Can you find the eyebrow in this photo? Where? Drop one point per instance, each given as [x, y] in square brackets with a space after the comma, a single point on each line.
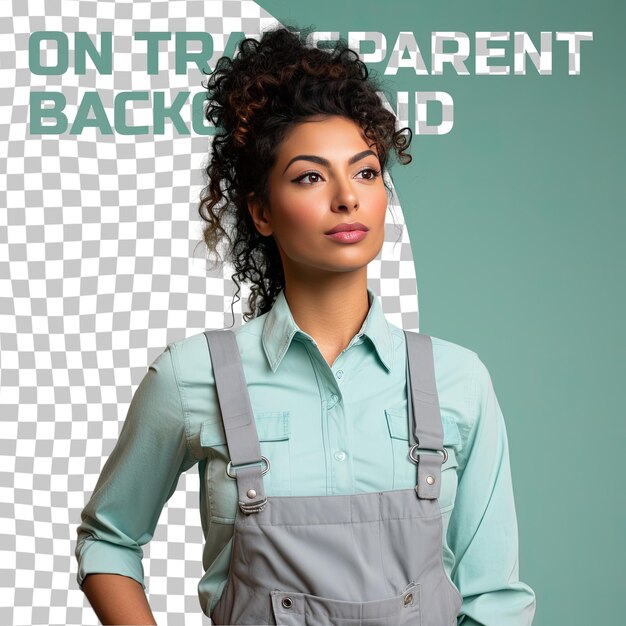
[325, 162]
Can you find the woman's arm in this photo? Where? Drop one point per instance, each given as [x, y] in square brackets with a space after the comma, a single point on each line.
[130, 605]
[483, 531]
[136, 481]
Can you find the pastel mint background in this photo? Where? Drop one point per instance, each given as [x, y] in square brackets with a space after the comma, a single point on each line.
[517, 225]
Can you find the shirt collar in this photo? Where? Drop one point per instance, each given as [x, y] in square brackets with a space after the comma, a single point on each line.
[280, 328]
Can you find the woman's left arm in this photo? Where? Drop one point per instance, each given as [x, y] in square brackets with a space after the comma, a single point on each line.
[483, 532]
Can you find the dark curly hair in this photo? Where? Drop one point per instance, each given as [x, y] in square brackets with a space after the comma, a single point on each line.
[269, 86]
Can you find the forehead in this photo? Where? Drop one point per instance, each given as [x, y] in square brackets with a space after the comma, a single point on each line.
[323, 135]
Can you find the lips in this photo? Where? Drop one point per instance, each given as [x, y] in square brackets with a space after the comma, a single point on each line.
[345, 226]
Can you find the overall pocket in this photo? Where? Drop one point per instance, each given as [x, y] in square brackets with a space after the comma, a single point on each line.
[303, 609]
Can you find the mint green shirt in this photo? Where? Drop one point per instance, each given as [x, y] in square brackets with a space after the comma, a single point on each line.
[326, 430]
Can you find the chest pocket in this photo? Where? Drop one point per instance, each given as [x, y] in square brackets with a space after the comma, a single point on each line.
[274, 430]
[405, 471]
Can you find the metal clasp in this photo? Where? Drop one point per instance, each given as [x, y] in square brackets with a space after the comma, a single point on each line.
[415, 460]
[230, 465]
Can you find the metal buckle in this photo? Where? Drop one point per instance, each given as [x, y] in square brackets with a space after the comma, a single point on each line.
[230, 465]
[443, 452]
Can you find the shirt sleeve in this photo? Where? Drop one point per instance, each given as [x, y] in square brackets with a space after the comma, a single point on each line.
[483, 532]
[138, 478]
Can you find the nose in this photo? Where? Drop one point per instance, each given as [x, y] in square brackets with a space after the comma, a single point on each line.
[345, 198]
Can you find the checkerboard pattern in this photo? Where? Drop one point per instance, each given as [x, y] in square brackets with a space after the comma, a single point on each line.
[101, 266]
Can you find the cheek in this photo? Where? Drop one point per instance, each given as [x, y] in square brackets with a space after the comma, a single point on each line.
[381, 200]
[379, 214]
[299, 215]
[378, 208]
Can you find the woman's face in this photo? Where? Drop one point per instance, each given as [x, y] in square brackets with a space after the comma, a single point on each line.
[326, 173]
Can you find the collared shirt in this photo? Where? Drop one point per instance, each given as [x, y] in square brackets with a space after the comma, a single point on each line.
[337, 429]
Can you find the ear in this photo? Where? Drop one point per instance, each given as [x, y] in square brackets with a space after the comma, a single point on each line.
[259, 214]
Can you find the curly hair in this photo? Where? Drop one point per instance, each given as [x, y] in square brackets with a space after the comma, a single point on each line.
[270, 85]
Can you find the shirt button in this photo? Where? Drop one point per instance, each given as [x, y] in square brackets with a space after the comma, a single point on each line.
[334, 397]
[340, 456]
[339, 373]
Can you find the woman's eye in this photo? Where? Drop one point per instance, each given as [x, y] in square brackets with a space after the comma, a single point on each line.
[372, 173]
[314, 175]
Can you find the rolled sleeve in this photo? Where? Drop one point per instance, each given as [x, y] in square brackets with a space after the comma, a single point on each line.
[483, 532]
[138, 478]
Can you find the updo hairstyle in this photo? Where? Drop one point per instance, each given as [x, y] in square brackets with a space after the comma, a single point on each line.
[254, 99]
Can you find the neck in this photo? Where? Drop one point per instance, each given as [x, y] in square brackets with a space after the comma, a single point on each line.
[332, 310]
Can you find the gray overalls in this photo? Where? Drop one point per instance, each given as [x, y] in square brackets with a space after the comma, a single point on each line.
[341, 560]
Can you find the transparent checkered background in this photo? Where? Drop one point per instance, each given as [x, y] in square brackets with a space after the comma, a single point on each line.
[101, 266]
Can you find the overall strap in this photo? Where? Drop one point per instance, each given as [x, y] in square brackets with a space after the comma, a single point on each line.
[239, 424]
[425, 427]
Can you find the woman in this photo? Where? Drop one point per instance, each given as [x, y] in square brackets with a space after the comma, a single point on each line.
[350, 472]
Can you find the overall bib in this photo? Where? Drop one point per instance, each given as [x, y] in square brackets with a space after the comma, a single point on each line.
[371, 559]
